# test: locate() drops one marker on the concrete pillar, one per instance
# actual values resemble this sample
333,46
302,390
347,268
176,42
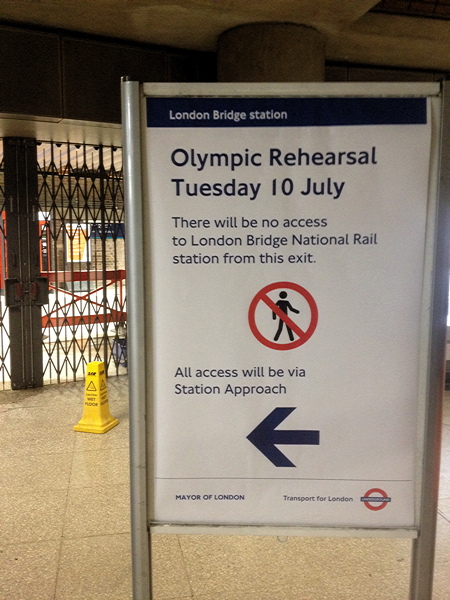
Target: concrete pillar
265,52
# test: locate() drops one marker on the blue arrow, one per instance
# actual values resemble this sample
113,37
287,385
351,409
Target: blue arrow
264,437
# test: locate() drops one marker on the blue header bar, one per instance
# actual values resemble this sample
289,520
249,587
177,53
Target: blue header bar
284,112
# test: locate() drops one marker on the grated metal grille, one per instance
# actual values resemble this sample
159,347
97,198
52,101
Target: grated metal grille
5,373
82,231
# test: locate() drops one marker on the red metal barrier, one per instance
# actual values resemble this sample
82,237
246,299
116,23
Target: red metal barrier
111,316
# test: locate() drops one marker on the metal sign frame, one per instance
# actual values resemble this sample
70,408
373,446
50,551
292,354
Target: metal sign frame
432,332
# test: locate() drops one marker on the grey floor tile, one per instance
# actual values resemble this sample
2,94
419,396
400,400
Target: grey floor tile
389,585
443,543
26,440
98,510
28,571
32,517
446,412
118,387
444,484
37,430
170,578
230,565
354,556
100,467
48,395
441,582
444,508
4,408
315,592
445,436
43,418
95,568
35,472
158,597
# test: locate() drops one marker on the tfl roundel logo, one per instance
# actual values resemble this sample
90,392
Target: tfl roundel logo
375,499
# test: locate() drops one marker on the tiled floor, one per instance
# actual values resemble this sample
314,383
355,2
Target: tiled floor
65,532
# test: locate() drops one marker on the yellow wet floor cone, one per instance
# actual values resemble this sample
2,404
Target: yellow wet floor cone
96,416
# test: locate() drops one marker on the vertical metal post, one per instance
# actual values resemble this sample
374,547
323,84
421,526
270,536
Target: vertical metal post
102,187
422,567
140,537
23,264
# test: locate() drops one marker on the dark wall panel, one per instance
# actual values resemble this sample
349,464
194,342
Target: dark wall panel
59,75
30,73
374,74
65,75
92,72
192,66
336,73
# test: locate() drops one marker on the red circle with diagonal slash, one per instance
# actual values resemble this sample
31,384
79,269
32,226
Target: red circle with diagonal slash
303,336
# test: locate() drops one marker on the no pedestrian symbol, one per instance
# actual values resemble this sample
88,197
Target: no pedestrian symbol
279,310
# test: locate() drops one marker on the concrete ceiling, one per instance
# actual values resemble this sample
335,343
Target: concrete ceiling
353,33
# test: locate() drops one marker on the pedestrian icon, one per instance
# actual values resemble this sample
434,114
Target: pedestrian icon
298,302
285,306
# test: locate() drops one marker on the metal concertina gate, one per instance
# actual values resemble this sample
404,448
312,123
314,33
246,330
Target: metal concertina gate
62,262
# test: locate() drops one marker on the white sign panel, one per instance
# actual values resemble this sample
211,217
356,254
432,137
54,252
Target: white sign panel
287,250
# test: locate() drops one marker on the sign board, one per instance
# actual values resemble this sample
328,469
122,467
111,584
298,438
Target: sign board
288,285
286,295
287,250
